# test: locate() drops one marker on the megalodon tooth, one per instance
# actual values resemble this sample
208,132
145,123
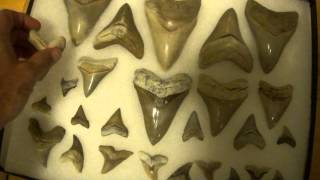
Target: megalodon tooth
93,71
193,128
74,154
287,138
208,168
122,31
222,100
42,106
226,44
160,100
278,176
82,16
171,23
272,31
39,43
255,172
181,173
68,85
152,164
80,118
275,101
115,125
45,141
234,175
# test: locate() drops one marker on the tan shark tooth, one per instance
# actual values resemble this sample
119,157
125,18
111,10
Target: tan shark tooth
275,101
123,31
226,44
67,85
287,138
74,154
256,173
42,106
278,176
93,71
152,164
182,173
234,175
80,118
83,15
115,125
171,22
45,141
193,128
222,100
272,31
112,157
208,168
160,100
40,44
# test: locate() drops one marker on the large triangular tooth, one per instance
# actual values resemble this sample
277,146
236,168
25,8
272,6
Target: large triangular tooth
80,118
275,101
193,128
93,71
160,100
171,23
287,138
209,168
278,176
82,16
115,125
182,173
152,164
234,175
123,31
272,31
255,172
222,100
74,154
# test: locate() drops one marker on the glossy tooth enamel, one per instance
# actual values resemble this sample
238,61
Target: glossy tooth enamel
40,44
42,106
182,173
287,138
152,164
80,118
68,85
255,172
193,128
115,125
234,175
278,176
74,154
208,168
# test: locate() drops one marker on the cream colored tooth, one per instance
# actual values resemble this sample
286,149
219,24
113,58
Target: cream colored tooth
42,106
60,42
40,44
182,173
193,128
255,172
67,85
152,164
287,138
80,118
115,125
74,154
208,168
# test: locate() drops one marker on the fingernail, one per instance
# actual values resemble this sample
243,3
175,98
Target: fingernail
56,54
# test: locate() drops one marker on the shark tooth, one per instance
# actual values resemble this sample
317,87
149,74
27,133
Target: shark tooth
208,168
287,138
256,173
182,173
278,176
272,31
226,44
222,100
42,106
234,175
112,157
171,22
152,164
275,101
40,44
80,118
123,31
45,141
93,71
67,85
160,100
115,125
74,154
83,15
193,128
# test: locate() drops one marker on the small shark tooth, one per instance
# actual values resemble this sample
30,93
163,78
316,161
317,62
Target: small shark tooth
234,175
278,176
272,31
112,157
66,86
171,22
80,118
160,100
256,173
226,44
222,100
209,168
287,138
152,164
182,173
83,15
45,141
123,31
93,71
193,128
275,101
42,106
40,44
74,154
115,125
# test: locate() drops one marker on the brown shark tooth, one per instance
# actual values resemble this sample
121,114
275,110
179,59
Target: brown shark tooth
67,85
278,176
256,173
287,138
123,31
74,154
93,71
234,175
115,125
171,22
209,168
182,173
193,128
40,44
160,100
152,164
222,100
112,157
275,101
226,44
272,31
83,15
80,118
45,141
42,106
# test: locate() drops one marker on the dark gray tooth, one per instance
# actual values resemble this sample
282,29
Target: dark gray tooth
74,154
182,173
115,125
278,176
42,106
123,31
287,138
209,168
193,128
80,118
275,101
226,44
45,141
222,100
112,157
66,86
256,173
234,175
160,100
272,31
152,164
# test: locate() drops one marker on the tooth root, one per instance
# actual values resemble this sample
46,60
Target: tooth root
123,31
67,86
74,154
222,100
152,164
80,118
42,106
278,176
275,101
256,173
234,175
287,138
40,44
182,173
112,157
272,31
209,168
115,125
193,128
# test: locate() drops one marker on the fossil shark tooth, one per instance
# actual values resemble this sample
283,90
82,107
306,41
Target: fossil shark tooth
256,173
45,141
171,22
115,125
112,157
67,85
182,173
193,128
160,100
93,71
272,31
275,101
226,44
40,44
80,118
222,100
287,138
74,154
82,16
278,176
42,106
234,175
123,31
208,168
152,164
